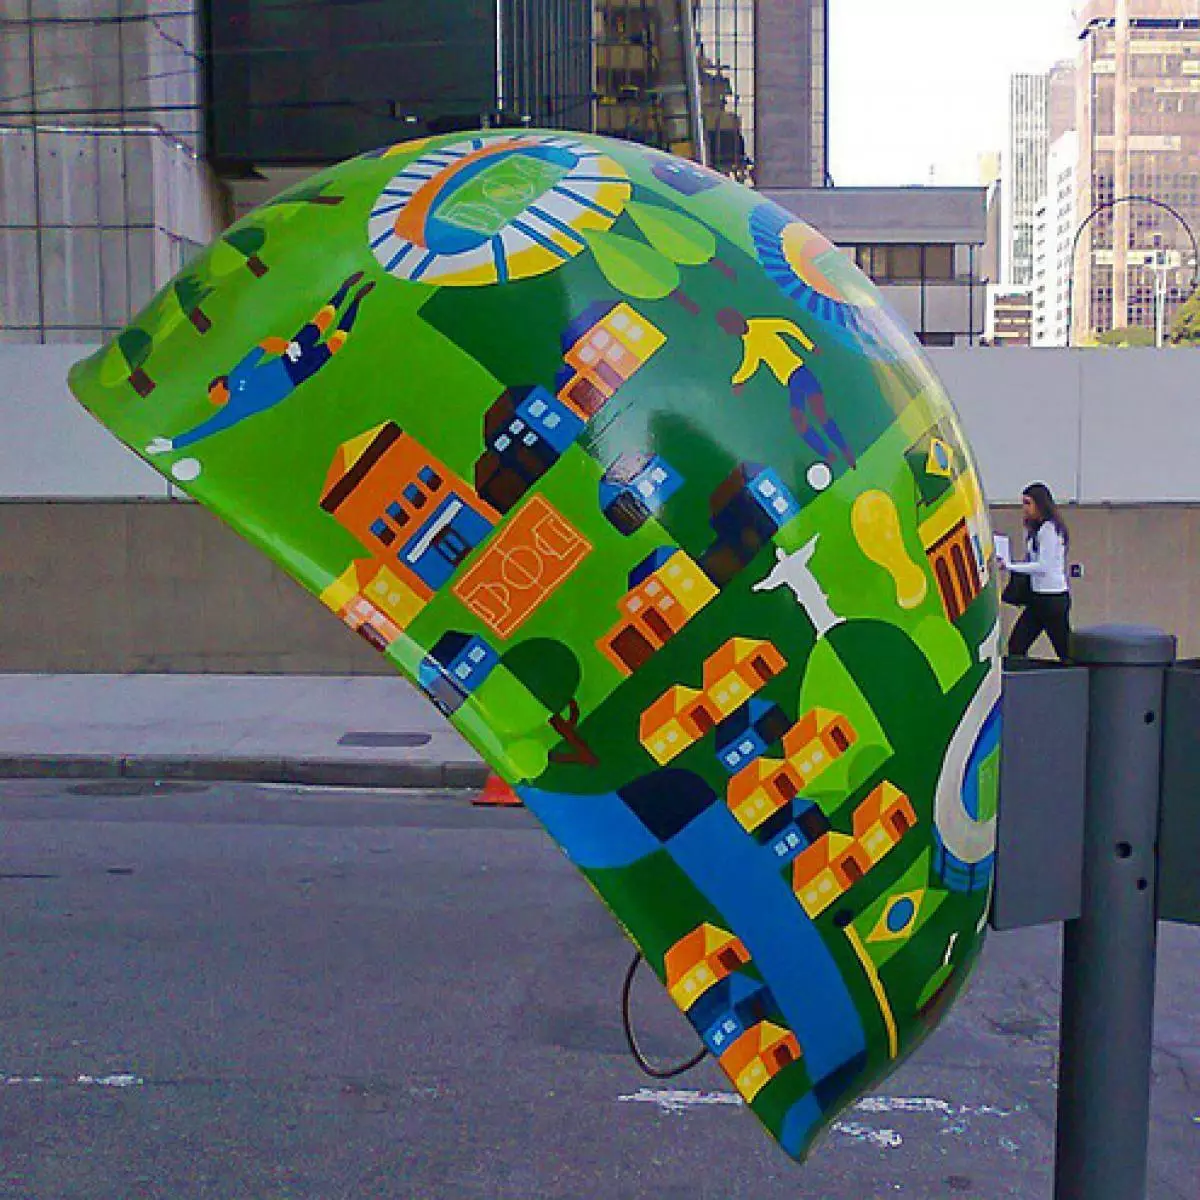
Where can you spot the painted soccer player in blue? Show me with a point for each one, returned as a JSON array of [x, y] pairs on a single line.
[[274, 369]]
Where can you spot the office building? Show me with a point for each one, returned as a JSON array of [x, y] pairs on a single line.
[[1139, 126], [758, 73], [1024, 173], [1054, 232], [1041, 110], [103, 193], [1010, 316], [791, 124], [922, 246]]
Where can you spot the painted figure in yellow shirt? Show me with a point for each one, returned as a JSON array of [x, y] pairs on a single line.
[[772, 342]]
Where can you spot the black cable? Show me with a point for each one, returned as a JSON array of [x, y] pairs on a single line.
[[638, 1057]]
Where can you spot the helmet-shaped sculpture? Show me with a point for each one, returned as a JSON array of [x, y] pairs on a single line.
[[637, 477]]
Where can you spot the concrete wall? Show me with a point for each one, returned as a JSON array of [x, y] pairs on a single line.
[[164, 586], [100, 570], [102, 194]]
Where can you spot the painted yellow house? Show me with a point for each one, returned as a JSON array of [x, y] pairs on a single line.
[[683, 715], [882, 819], [673, 722], [739, 669], [701, 959], [827, 870], [374, 601], [758, 1056], [760, 789], [816, 741], [656, 609]]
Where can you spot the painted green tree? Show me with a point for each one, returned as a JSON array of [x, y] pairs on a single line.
[[1186, 329], [552, 675], [308, 194], [191, 292], [649, 270], [134, 346], [241, 246]]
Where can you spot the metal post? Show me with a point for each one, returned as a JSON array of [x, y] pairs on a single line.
[[1109, 952]]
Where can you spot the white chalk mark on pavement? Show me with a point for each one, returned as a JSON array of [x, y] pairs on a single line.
[[929, 1104], [675, 1101], [112, 1081], [886, 1139], [672, 1100]]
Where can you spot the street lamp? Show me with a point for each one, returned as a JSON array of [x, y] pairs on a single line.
[[1104, 206]]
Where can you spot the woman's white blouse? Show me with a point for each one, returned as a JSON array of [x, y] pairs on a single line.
[[1046, 565]]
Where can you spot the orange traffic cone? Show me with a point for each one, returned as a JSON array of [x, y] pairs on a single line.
[[497, 794]]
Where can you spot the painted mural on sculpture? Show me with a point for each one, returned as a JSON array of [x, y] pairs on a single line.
[[636, 477]]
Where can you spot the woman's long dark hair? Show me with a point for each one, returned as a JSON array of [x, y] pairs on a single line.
[[1047, 510]]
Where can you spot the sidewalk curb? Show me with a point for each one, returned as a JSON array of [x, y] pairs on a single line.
[[319, 772]]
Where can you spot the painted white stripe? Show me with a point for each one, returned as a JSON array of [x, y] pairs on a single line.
[[885, 1139], [116, 1081], [674, 1100]]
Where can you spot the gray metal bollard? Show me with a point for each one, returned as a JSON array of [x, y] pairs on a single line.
[[1109, 951]]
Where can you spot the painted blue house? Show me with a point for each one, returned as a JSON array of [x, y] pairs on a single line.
[[790, 831], [746, 511], [444, 540], [773, 496], [746, 733], [728, 1009], [525, 432], [634, 488], [454, 668]]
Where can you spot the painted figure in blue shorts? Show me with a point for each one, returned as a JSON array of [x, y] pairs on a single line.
[[771, 342], [274, 369]]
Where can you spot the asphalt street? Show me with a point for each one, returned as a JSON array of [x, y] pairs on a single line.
[[233, 991]]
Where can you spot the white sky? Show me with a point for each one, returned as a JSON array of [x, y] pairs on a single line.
[[921, 84]]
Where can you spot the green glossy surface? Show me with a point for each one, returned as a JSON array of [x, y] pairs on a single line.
[[637, 477]]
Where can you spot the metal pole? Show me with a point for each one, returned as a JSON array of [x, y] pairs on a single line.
[[1109, 952]]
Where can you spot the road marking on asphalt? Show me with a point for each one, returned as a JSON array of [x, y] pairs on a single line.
[[112, 1081], [680, 1100], [676, 1100], [885, 1139]]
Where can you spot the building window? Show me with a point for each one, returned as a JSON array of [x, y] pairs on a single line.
[[414, 496], [936, 339], [939, 262], [429, 477], [383, 532]]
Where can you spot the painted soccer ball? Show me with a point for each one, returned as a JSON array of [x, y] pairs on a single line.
[[636, 477]]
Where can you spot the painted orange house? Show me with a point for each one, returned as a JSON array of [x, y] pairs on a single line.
[[701, 959], [655, 610], [826, 870], [405, 506], [882, 819], [758, 1056], [739, 669], [816, 740], [682, 715], [760, 789]]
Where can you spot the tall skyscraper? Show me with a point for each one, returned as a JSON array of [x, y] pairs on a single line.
[[1138, 93], [1024, 172], [791, 59], [1054, 231]]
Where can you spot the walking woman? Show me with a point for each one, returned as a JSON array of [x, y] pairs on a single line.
[[1048, 609]]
